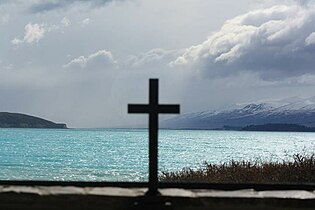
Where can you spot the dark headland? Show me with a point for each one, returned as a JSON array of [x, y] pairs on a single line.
[[17, 120]]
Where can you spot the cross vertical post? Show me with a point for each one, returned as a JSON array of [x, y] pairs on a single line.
[[153, 136], [153, 109]]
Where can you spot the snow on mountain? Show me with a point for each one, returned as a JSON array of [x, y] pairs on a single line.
[[294, 110]]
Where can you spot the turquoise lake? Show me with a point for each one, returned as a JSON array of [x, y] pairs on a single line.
[[122, 154]]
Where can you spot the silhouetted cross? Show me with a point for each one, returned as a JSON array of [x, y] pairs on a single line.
[[153, 109]]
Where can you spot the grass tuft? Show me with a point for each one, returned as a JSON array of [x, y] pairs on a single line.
[[300, 170]]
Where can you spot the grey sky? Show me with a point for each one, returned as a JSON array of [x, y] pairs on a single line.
[[81, 62]]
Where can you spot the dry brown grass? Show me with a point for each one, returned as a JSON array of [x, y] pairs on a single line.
[[300, 170]]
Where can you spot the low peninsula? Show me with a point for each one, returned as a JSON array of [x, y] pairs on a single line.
[[279, 127], [17, 120]]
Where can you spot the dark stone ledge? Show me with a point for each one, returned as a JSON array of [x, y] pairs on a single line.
[[81, 198]]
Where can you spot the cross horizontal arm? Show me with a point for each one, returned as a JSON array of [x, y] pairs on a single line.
[[138, 108], [168, 109]]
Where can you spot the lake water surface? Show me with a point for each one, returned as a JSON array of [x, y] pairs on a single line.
[[122, 154]]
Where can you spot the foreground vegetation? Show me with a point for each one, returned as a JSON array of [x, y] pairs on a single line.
[[300, 170]]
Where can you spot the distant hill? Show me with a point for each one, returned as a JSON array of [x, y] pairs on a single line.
[[278, 127], [293, 110], [16, 120]]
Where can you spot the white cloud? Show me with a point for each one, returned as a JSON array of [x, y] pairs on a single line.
[[269, 41], [97, 60], [86, 21], [310, 40], [65, 22], [33, 33], [153, 57], [16, 41]]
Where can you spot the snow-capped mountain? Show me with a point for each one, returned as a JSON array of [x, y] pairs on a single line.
[[293, 110]]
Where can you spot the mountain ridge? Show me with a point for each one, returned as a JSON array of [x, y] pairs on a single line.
[[292, 110]]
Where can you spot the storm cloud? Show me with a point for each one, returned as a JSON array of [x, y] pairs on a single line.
[[84, 66], [273, 42], [49, 5]]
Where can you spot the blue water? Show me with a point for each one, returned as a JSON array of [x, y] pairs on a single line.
[[122, 154]]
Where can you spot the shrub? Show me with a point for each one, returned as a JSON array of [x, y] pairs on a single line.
[[300, 170]]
